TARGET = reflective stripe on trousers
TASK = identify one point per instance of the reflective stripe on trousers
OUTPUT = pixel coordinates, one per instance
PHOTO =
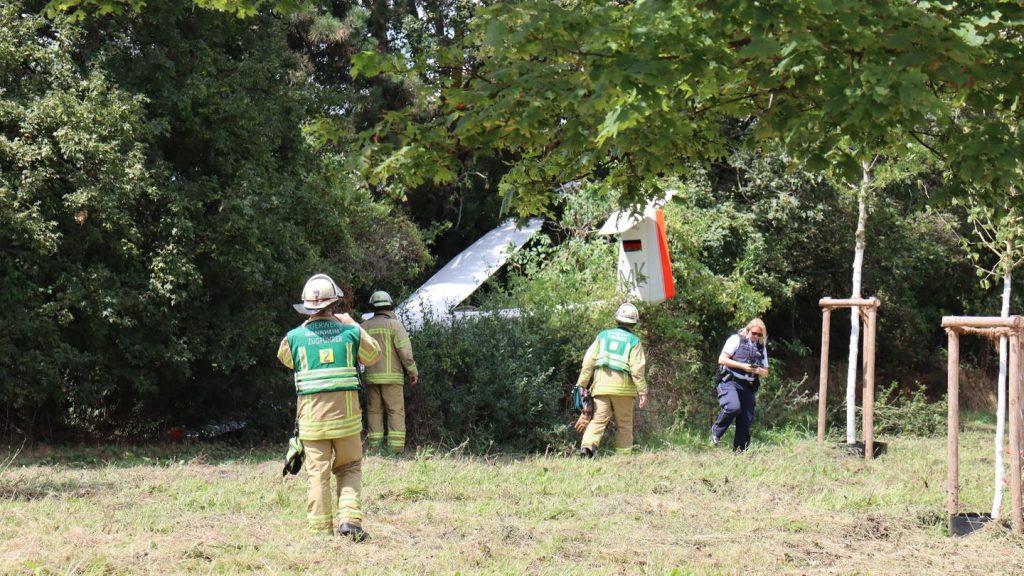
(341, 457)
(389, 398)
(607, 408)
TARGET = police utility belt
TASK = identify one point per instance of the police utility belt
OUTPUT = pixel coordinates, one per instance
(726, 375)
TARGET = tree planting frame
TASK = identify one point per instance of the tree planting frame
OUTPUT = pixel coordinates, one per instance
(868, 308)
(989, 326)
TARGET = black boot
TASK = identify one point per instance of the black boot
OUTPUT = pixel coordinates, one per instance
(348, 530)
(586, 452)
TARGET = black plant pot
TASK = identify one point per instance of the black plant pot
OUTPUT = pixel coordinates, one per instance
(857, 448)
(964, 523)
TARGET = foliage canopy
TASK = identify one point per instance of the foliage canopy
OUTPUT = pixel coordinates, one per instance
(634, 91)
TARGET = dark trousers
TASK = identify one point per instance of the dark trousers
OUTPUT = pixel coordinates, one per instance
(737, 402)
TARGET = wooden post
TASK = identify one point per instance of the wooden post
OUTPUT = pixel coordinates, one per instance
(1015, 430)
(1017, 461)
(826, 316)
(869, 384)
(953, 425)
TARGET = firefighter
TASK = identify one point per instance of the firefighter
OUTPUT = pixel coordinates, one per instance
(743, 361)
(384, 388)
(323, 353)
(617, 365)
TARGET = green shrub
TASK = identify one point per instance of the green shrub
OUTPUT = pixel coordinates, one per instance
(494, 381)
(780, 399)
(908, 413)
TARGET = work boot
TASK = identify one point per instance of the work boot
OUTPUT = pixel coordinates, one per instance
(349, 530)
(586, 452)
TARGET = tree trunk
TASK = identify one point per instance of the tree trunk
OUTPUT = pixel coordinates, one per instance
(858, 263)
(997, 493)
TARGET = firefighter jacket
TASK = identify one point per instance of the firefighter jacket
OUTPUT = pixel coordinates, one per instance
(323, 354)
(395, 348)
(617, 364)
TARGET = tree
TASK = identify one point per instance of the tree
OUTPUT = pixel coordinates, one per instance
(161, 203)
(632, 91)
(1000, 233)
(868, 186)
(73, 170)
(860, 243)
(335, 40)
(78, 10)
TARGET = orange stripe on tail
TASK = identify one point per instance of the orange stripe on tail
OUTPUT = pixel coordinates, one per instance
(668, 282)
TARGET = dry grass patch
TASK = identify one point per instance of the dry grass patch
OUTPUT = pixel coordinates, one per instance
(794, 507)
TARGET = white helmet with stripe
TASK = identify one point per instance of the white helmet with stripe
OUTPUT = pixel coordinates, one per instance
(319, 292)
(381, 299)
(627, 314)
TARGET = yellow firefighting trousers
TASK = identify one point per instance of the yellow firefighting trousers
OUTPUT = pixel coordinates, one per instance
(381, 397)
(341, 457)
(606, 408)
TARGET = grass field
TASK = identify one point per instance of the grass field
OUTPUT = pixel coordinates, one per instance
(786, 506)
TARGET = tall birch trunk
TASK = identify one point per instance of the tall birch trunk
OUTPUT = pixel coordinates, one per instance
(997, 493)
(860, 242)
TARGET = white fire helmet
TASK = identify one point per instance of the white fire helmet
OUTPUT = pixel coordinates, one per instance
(380, 299)
(319, 292)
(627, 314)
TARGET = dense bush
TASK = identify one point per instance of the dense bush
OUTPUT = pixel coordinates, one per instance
(503, 373)
(495, 381)
(159, 212)
(74, 182)
(908, 412)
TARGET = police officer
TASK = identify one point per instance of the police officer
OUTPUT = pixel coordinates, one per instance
(385, 380)
(613, 373)
(323, 353)
(744, 360)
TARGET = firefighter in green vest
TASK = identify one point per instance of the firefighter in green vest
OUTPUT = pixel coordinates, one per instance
(613, 373)
(323, 352)
(385, 379)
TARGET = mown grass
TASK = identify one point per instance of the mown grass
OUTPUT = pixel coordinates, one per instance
(786, 506)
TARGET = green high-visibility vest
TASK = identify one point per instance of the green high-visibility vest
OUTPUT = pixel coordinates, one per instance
(324, 353)
(613, 348)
